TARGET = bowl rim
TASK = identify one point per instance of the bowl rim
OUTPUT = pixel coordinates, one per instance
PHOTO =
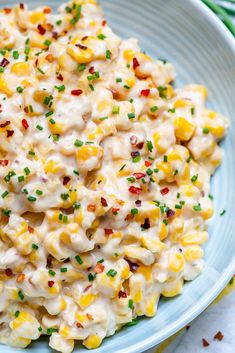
(225, 276)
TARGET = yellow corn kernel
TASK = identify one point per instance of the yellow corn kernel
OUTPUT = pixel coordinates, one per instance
(199, 89)
(163, 231)
(173, 290)
(66, 62)
(4, 87)
(157, 143)
(92, 341)
(21, 69)
(153, 244)
(196, 238)
(86, 300)
(218, 131)
(130, 81)
(24, 317)
(166, 168)
(146, 271)
(63, 304)
(193, 253)
(56, 128)
(176, 262)
(153, 214)
(80, 317)
(81, 56)
(79, 217)
(184, 130)
(51, 167)
(37, 17)
(128, 55)
(169, 92)
(65, 331)
(174, 156)
(150, 307)
(176, 229)
(210, 114)
(136, 292)
(182, 103)
(86, 152)
(125, 273)
(37, 41)
(207, 213)
(20, 342)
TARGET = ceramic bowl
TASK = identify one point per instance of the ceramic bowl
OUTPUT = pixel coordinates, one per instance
(189, 35)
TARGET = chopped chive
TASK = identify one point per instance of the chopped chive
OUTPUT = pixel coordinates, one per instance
(52, 273)
(49, 113)
(15, 54)
(205, 130)
(52, 121)
(149, 145)
(126, 86)
(222, 213)
(116, 109)
(27, 171)
(211, 197)
(79, 259)
(1, 69)
(149, 171)
(32, 199)
(51, 330)
(20, 178)
(21, 295)
(194, 178)
(134, 211)
(39, 127)
(154, 108)
(76, 205)
(39, 192)
(172, 110)
(101, 36)
(64, 196)
(118, 79)
(19, 89)
(121, 169)
(192, 110)
(130, 304)
(108, 54)
(78, 143)
(4, 194)
(104, 118)
(64, 269)
(136, 159)
(131, 116)
(60, 88)
(165, 222)
(165, 159)
(178, 207)
(132, 323)
(58, 23)
(47, 43)
(111, 273)
(17, 313)
(35, 246)
(197, 208)
(81, 67)
(91, 277)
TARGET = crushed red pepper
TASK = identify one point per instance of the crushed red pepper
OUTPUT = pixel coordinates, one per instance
(218, 336)
(205, 343)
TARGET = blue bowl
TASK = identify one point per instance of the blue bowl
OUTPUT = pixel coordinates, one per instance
(203, 51)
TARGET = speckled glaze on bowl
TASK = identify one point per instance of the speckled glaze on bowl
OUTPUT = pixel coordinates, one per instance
(203, 51)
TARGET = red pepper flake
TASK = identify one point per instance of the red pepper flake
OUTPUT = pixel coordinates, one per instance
(115, 210)
(8, 272)
(60, 77)
(66, 180)
(135, 63)
(76, 92)
(91, 208)
(51, 283)
(26, 110)
(129, 217)
(122, 294)
(135, 154)
(21, 6)
(146, 224)
(47, 10)
(30, 229)
(3, 162)
(5, 124)
(104, 23)
(147, 163)
(84, 38)
(99, 268)
(132, 265)
(7, 10)
(138, 203)
(133, 140)
(135, 190)
(164, 191)
(79, 325)
(145, 92)
(92, 70)
(4, 62)
(89, 316)
(0, 108)
(82, 47)
(140, 145)
(54, 35)
(108, 231)
(10, 133)
(25, 124)
(170, 213)
(87, 288)
(50, 58)
(139, 175)
(20, 278)
(41, 29)
(103, 202)
(219, 336)
(205, 343)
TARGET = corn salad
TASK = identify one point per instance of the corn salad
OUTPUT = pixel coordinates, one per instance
(105, 178)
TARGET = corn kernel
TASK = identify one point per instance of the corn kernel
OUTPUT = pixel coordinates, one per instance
(196, 238)
(86, 300)
(4, 87)
(92, 341)
(184, 130)
(193, 253)
(21, 69)
(176, 262)
(81, 56)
